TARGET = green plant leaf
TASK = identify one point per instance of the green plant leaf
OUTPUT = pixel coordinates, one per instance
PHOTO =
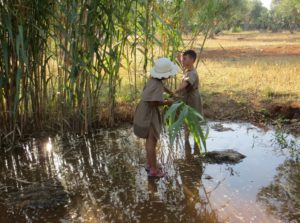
(178, 115)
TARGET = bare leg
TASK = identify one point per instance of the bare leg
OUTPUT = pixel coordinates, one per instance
(187, 147)
(186, 133)
(147, 151)
(151, 150)
(186, 138)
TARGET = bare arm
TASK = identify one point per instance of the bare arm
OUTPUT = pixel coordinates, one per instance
(160, 103)
(168, 91)
(182, 86)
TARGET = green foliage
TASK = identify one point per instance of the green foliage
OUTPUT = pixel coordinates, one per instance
(287, 13)
(282, 140)
(218, 15)
(63, 59)
(236, 29)
(178, 115)
(23, 37)
(283, 15)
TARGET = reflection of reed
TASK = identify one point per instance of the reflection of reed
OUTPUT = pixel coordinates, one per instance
(27, 164)
(196, 201)
(103, 174)
(282, 196)
(183, 187)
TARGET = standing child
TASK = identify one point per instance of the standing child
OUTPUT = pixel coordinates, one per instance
(147, 119)
(189, 87)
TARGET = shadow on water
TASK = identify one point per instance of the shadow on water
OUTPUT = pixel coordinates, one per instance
(104, 180)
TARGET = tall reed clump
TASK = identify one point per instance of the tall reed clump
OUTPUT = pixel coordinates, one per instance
(61, 61)
(24, 32)
(90, 39)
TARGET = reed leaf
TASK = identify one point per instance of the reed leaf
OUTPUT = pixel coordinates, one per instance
(180, 114)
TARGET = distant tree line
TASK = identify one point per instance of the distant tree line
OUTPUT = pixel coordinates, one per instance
(239, 15)
(283, 15)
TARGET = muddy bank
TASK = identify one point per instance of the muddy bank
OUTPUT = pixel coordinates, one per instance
(223, 108)
(217, 106)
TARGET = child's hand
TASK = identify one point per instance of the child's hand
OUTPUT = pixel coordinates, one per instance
(169, 102)
(177, 95)
(172, 94)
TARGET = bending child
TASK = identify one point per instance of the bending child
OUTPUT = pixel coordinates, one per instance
(147, 118)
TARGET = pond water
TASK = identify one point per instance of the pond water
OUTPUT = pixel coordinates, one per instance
(105, 178)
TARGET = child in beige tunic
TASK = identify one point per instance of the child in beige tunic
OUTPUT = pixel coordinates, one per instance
(147, 114)
(189, 87)
(190, 93)
(147, 119)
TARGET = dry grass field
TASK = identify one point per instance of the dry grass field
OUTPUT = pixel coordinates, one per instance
(249, 76)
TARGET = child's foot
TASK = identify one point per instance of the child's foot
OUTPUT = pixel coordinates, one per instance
(158, 173)
(147, 168)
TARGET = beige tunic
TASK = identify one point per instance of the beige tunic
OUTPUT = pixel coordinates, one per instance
(146, 115)
(190, 94)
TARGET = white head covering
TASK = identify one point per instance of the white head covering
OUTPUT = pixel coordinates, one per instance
(163, 68)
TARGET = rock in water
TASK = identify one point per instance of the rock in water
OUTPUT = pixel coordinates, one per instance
(220, 128)
(38, 195)
(226, 156)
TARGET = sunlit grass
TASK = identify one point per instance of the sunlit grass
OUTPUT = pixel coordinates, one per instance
(265, 78)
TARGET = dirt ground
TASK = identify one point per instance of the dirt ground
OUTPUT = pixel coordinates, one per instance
(261, 51)
(223, 108)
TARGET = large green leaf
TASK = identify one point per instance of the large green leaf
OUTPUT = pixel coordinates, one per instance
(178, 115)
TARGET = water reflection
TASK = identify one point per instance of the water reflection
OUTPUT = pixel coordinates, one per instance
(282, 195)
(105, 176)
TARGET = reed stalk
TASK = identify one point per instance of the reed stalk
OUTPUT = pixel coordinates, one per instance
(61, 61)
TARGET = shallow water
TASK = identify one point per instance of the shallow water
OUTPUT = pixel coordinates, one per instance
(105, 176)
